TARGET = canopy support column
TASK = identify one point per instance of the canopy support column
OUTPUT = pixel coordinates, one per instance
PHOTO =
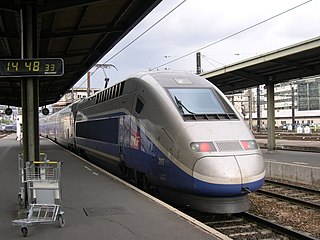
(271, 117)
(30, 86)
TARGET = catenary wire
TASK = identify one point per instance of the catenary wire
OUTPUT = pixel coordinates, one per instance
(231, 35)
(134, 40)
(206, 46)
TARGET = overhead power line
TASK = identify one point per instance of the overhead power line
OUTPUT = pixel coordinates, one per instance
(232, 35)
(134, 40)
(152, 26)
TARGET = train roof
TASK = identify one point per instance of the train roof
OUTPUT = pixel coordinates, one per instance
(166, 79)
(176, 79)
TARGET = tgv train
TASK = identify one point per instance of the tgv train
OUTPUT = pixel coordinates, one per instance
(175, 133)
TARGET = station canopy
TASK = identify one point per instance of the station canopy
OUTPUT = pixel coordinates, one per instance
(293, 62)
(80, 32)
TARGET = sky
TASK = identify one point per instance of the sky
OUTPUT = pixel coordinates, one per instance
(199, 23)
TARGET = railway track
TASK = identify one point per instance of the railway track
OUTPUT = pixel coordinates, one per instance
(291, 136)
(295, 194)
(251, 226)
(247, 226)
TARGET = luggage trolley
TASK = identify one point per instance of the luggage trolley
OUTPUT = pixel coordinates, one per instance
(22, 180)
(44, 194)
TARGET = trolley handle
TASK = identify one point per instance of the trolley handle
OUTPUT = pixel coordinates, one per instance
(47, 162)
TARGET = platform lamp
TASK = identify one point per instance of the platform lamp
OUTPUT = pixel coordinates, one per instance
(8, 111)
(45, 111)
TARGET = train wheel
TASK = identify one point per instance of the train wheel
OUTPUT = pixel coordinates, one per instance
(145, 183)
(124, 171)
(83, 154)
(142, 182)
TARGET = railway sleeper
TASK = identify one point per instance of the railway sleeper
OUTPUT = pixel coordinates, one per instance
(245, 226)
(233, 221)
(242, 234)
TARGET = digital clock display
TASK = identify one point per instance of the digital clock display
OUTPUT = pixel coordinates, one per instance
(40, 67)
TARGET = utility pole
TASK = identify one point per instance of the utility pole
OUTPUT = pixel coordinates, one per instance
(88, 84)
(198, 60)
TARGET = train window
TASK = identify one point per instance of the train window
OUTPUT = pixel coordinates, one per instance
(139, 106)
(199, 101)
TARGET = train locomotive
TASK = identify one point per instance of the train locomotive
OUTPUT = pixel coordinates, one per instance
(173, 132)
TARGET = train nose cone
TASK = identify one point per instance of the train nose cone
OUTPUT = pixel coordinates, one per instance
(229, 175)
(217, 176)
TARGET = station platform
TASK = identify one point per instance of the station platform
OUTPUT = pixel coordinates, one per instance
(97, 205)
(292, 145)
(293, 171)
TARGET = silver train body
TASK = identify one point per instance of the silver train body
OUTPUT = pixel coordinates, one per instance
(173, 132)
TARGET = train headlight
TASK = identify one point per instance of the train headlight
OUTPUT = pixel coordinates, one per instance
(249, 144)
(203, 147)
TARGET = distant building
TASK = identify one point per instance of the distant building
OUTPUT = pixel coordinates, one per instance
(298, 100)
(71, 96)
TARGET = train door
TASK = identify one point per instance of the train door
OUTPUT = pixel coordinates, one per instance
(74, 111)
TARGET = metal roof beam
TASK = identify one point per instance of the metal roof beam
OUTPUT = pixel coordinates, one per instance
(253, 77)
(309, 45)
(291, 64)
(80, 19)
(75, 54)
(61, 5)
(81, 32)
(8, 34)
(4, 38)
(9, 6)
(63, 31)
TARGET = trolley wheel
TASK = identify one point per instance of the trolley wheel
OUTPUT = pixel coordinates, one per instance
(24, 231)
(61, 220)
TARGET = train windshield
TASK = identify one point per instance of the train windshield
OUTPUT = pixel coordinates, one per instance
(199, 101)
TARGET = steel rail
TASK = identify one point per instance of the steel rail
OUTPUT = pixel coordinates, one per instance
(278, 228)
(293, 186)
(290, 199)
